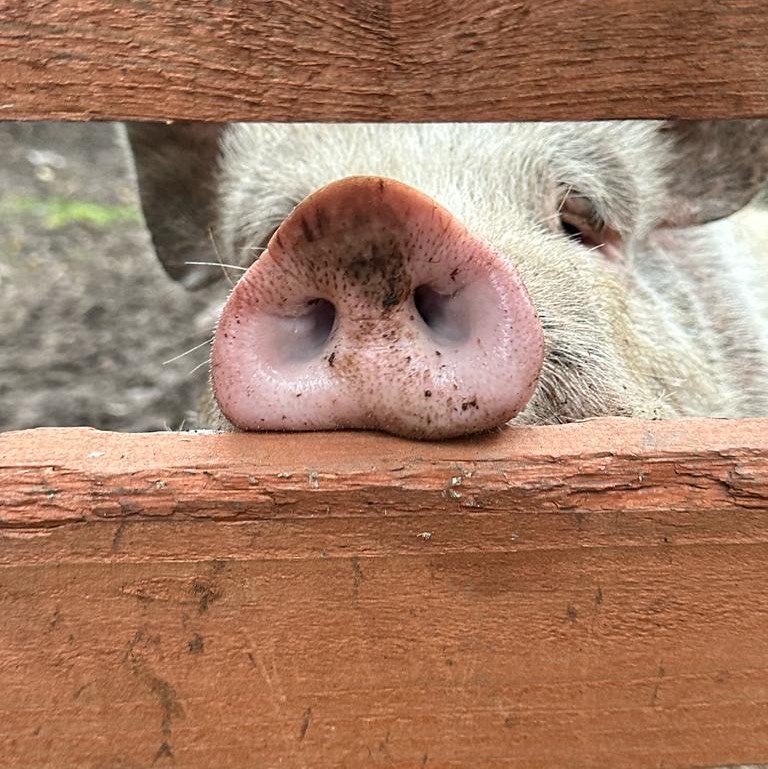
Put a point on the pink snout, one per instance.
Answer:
(374, 308)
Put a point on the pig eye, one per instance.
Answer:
(581, 222)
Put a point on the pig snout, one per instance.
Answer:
(374, 308)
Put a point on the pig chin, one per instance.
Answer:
(374, 308)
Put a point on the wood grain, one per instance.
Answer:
(378, 60)
(589, 595)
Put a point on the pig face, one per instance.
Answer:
(439, 280)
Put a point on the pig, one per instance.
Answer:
(438, 280)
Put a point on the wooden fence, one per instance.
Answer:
(383, 59)
(593, 595)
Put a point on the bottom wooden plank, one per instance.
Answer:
(505, 632)
(619, 657)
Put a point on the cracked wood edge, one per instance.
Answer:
(391, 60)
(683, 468)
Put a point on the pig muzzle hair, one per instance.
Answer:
(440, 280)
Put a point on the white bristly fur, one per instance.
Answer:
(678, 327)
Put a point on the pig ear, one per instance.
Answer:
(176, 170)
(717, 167)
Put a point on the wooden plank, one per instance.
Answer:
(377, 60)
(585, 596)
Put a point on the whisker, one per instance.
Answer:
(559, 211)
(181, 355)
(218, 256)
(220, 264)
(565, 197)
(199, 366)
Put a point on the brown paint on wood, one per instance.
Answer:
(587, 595)
(374, 60)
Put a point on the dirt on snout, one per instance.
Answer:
(87, 313)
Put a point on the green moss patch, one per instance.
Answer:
(58, 212)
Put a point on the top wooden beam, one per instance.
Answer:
(378, 60)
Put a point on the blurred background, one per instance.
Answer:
(88, 316)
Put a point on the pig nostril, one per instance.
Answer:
(446, 315)
(430, 305)
(305, 335)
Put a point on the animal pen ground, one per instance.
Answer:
(88, 314)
